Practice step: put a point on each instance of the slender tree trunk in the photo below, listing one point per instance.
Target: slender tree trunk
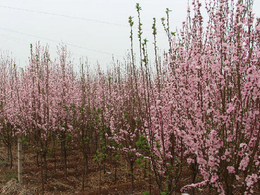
(150, 178)
(145, 170)
(100, 180)
(37, 157)
(64, 152)
(86, 162)
(85, 167)
(83, 180)
(20, 161)
(65, 160)
(132, 175)
(195, 171)
(10, 155)
(42, 176)
(54, 153)
(115, 171)
(45, 166)
(104, 165)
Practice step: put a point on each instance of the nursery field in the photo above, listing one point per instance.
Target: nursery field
(96, 182)
(187, 123)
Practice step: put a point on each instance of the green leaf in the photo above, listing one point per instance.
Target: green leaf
(117, 157)
(158, 145)
(145, 193)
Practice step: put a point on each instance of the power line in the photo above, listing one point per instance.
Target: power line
(72, 17)
(63, 15)
(52, 40)
(13, 38)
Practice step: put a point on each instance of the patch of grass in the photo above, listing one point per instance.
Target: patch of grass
(9, 175)
(4, 163)
(6, 176)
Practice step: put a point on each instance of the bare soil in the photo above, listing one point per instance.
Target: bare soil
(60, 184)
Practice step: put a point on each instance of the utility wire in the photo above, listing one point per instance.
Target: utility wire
(72, 17)
(52, 40)
(62, 15)
(11, 38)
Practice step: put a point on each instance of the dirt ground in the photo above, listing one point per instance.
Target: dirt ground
(59, 184)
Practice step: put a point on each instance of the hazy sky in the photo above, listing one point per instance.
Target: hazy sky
(93, 28)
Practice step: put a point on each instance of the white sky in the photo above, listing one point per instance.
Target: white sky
(26, 21)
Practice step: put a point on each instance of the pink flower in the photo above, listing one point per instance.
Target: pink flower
(231, 169)
(242, 145)
(230, 109)
(201, 161)
(214, 178)
(244, 163)
(138, 154)
(251, 180)
(190, 160)
(240, 153)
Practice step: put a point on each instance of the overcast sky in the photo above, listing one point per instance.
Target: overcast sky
(93, 28)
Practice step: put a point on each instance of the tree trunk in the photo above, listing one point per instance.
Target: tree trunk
(85, 168)
(42, 176)
(115, 171)
(132, 175)
(45, 166)
(10, 155)
(20, 161)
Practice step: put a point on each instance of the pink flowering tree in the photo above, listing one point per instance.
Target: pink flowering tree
(9, 108)
(36, 117)
(215, 91)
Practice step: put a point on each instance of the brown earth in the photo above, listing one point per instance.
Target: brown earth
(58, 184)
